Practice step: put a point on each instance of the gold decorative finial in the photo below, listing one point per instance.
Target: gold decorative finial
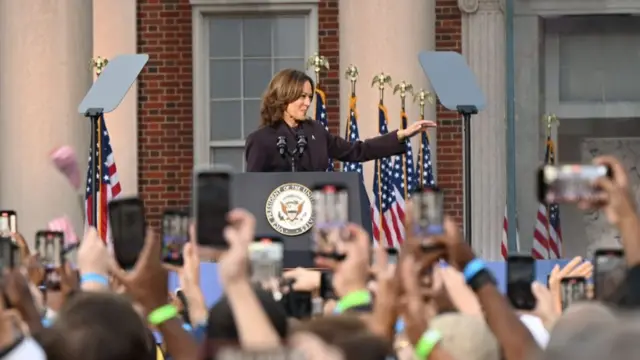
(318, 63)
(352, 75)
(549, 120)
(98, 64)
(423, 96)
(403, 88)
(381, 80)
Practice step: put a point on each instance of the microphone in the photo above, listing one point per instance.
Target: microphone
(282, 145)
(301, 142)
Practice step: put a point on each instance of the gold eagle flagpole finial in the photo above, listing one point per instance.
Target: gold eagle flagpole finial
(381, 80)
(423, 96)
(352, 75)
(549, 121)
(98, 64)
(403, 88)
(317, 63)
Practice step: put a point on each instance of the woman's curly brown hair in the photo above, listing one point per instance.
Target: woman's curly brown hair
(285, 88)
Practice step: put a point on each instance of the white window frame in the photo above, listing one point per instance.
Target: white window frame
(576, 109)
(202, 144)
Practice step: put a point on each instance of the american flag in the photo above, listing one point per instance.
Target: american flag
(547, 236)
(352, 135)
(425, 168)
(387, 225)
(504, 246)
(321, 116)
(106, 180)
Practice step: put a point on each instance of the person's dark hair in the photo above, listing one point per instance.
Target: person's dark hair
(332, 328)
(103, 326)
(221, 326)
(283, 89)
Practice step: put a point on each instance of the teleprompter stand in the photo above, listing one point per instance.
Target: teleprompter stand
(103, 97)
(457, 89)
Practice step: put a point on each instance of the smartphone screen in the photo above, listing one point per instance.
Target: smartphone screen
(127, 230)
(7, 253)
(266, 255)
(428, 213)
(213, 202)
(175, 233)
(609, 272)
(572, 289)
(331, 211)
(49, 245)
(520, 275)
(569, 183)
(8, 221)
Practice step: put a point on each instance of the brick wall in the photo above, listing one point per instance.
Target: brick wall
(165, 106)
(450, 141)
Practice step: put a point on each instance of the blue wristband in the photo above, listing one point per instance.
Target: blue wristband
(399, 326)
(46, 323)
(473, 267)
(95, 278)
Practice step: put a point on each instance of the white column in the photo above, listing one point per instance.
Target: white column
(112, 36)
(483, 45)
(529, 125)
(46, 47)
(383, 35)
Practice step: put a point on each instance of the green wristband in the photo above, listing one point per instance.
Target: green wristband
(162, 314)
(427, 342)
(353, 299)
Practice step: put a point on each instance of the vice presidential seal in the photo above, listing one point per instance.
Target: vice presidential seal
(289, 209)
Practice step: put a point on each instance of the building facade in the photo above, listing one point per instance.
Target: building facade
(210, 60)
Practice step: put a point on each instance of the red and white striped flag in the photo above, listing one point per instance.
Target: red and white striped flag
(547, 236)
(504, 246)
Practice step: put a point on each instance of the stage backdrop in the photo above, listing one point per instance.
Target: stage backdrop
(212, 289)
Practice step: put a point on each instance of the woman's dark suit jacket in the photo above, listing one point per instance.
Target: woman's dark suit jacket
(261, 152)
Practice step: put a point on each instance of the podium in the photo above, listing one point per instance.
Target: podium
(282, 205)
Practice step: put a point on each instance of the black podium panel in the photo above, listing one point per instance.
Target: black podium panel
(259, 193)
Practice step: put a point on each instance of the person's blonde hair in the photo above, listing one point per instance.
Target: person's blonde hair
(284, 88)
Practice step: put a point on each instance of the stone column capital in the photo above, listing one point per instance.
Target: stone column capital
(473, 6)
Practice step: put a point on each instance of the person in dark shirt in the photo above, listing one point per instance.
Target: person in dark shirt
(284, 122)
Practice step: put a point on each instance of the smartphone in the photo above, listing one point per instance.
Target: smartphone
(569, 183)
(8, 254)
(211, 203)
(8, 221)
(331, 211)
(520, 274)
(175, 234)
(50, 249)
(609, 272)
(266, 255)
(428, 214)
(392, 255)
(128, 229)
(572, 289)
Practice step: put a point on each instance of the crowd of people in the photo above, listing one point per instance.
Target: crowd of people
(442, 304)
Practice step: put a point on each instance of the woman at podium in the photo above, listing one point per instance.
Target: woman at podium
(289, 141)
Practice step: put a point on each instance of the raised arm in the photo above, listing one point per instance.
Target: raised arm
(361, 151)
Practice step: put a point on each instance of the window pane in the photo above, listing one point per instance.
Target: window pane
(229, 156)
(298, 64)
(224, 37)
(256, 37)
(225, 120)
(290, 34)
(251, 116)
(225, 78)
(257, 74)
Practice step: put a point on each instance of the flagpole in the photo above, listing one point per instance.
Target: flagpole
(549, 120)
(352, 75)
(381, 80)
(98, 64)
(422, 97)
(403, 88)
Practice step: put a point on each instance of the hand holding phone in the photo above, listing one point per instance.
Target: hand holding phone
(428, 215)
(331, 211)
(50, 248)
